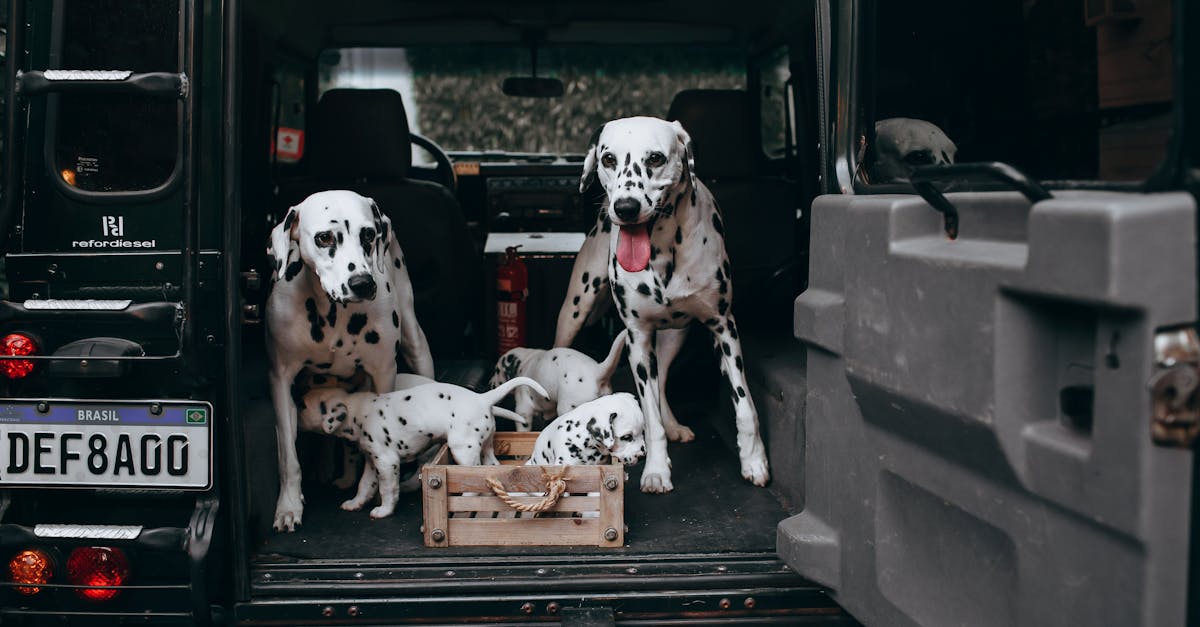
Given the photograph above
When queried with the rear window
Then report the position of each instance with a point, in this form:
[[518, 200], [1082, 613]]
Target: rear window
[[106, 142], [1057, 91], [452, 94]]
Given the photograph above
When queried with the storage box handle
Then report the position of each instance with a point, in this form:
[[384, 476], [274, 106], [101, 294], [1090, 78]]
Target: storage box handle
[[556, 486]]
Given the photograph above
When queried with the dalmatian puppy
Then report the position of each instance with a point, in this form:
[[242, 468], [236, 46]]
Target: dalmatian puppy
[[340, 300], [902, 144], [397, 427], [351, 458], [571, 378], [609, 427], [658, 246]]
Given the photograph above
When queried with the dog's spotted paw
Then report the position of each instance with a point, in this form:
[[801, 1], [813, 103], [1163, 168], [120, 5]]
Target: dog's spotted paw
[[755, 471], [381, 512], [679, 433], [656, 483], [352, 505]]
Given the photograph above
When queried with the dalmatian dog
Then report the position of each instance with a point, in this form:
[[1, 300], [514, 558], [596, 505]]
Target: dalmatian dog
[[902, 144], [658, 246], [340, 300], [609, 427], [571, 377], [397, 427]]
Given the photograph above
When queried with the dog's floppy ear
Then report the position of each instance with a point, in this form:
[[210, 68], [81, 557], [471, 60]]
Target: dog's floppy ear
[[610, 363], [602, 431], [689, 162], [283, 237], [337, 414], [383, 237], [589, 160]]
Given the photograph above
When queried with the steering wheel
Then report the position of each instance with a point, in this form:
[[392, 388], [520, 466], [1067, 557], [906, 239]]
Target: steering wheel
[[445, 169]]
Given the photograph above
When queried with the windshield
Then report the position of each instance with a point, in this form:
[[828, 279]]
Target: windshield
[[452, 95]]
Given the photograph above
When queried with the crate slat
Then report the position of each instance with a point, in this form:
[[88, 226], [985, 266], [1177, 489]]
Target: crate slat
[[612, 507], [524, 531], [493, 504], [434, 503], [522, 478]]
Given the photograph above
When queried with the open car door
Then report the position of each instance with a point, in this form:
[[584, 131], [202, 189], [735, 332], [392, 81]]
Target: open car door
[[1001, 381]]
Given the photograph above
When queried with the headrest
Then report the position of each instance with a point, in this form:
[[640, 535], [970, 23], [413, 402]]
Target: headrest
[[360, 134], [721, 122]]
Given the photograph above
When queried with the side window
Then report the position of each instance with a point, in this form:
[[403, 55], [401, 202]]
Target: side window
[[777, 112], [115, 142], [1059, 93], [287, 107]]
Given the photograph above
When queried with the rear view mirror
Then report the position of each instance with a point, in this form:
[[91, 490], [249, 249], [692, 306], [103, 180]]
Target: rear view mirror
[[532, 87]]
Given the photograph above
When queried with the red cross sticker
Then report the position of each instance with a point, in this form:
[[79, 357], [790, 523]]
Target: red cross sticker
[[289, 144]]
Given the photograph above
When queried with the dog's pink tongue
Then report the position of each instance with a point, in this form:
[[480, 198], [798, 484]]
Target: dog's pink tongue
[[633, 247]]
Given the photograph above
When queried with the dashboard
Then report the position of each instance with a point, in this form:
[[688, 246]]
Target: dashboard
[[519, 197]]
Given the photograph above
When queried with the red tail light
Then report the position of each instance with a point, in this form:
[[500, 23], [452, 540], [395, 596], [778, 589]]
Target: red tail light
[[97, 566], [31, 566], [17, 344]]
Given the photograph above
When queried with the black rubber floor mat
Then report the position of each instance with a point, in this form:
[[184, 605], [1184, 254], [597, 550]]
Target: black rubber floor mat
[[712, 510]]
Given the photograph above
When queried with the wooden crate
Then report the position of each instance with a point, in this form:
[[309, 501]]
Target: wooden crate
[[461, 509]]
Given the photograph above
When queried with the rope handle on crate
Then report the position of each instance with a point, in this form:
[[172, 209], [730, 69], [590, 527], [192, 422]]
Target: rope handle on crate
[[556, 486]]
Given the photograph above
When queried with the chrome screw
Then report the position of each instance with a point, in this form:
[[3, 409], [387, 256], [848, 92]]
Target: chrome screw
[[437, 535], [610, 534], [610, 483], [435, 482]]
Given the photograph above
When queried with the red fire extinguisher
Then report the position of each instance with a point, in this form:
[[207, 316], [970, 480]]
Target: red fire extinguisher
[[512, 289]]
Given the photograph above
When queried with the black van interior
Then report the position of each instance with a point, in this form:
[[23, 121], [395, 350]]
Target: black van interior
[[461, 189]]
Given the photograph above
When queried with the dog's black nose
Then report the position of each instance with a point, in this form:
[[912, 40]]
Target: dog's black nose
[[362, 285], [626, 208]]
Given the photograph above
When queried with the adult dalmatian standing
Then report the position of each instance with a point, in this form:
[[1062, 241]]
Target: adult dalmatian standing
[[659, 243], [340, 300]]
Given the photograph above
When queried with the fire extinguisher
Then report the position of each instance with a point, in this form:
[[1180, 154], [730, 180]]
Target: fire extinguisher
[[512, 290]]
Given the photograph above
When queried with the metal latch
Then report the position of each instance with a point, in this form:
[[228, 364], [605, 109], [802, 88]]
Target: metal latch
[[1175, 388]]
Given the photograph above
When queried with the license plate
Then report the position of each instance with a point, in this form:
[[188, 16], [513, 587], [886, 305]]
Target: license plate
[[121, 444]]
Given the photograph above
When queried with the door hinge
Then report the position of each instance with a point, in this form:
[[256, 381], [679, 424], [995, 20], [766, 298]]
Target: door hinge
[[1175, 388]]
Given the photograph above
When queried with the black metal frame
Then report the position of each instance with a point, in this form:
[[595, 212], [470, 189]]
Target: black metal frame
[[193, 540], [726, 587]]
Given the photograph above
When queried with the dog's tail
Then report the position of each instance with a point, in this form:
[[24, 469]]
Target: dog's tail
[[610, 363], [494, 396], [508, 414]]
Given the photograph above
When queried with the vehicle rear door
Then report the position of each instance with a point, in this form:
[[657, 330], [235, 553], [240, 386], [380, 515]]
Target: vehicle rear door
[[1002, 368]]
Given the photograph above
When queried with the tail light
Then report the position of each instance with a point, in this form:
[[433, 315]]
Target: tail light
[[17, 345], [97, 566], [31, 566]]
